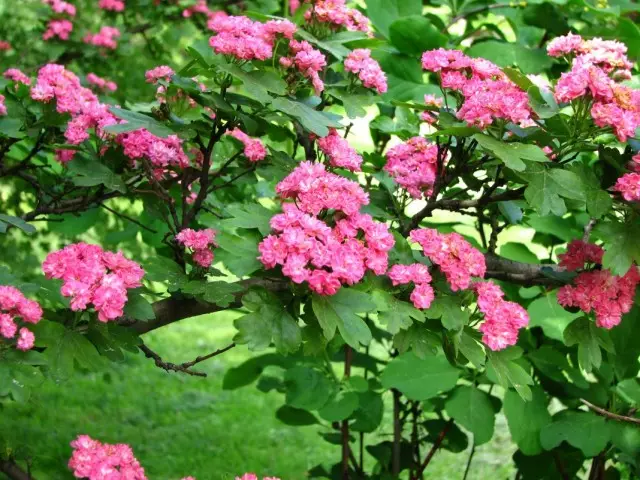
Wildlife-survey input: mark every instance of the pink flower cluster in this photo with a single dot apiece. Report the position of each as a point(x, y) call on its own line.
point(161, 72)
point(488, 93)
point(336, 14)
point(101, 83)
point(14, 305)
point(253, 476)
point(199, 7)
point(339, 152)
point(245, 39)
point(502, 319)
point(94, 460)
point(17, 76)
point(4, 46)
point(106, 37)
point(455, 257)
point(608, 296)
point(413, 165)
point(61, 7)
point(314, 189)
point(93, 275)
point(60, 28)
point(596, 70)
point(254, 149)
point(359, 62)
point(161, 152)
point(111, 5)
point(429, 116)
point(422, 295)
point(3, 107)
point(629, 186)
point(308, 61)
point(310, 250)
point(201, 242)
point(580, 253)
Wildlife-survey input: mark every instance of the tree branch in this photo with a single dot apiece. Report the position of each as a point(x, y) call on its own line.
point(611, 415)
point(527, 274)
point(434, 448)
point(13, 471)
point(182, 367)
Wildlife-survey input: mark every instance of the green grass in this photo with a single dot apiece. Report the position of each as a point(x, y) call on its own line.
point(180, 425)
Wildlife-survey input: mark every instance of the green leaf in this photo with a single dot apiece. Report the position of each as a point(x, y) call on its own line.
point(543, 193)
point(221, 293)
point(511, 154)
point(239, 253)
point(629, 390)
point(545, 312)
point(449, 309)
point(136, 121)
point(405, 78)
point(251, 215)
point(421, 341)
point(383, 13)
point(584, 430)
point(589, 338)
point(339, 407)
point(508, 373)
point(472, 408)
point(395, 313)
point(268, 322)
point(620, 244)
point(527, 418)
point(369, 414)
point(138, 307)
point(341, 311)
point(163, 269)
point(295, 417)
point(506, 54)
point(471, 348)
point(16, 222)
point(419, 379)
point(249, 371)
point(626, 346)
point(415, 34)
point(598, 201)
point(307, 388)
point(11, 127)
point(89, 173)
point(313, 120)
point(257, 83)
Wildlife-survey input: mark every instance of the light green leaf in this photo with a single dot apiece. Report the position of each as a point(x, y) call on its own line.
point(136, 121)
point(220, 293)
point(313, 120)
point(239, 253)
point(545, 312)
point(16, 222)
point(421, 341)
point(88, 173)
point(339, 407)
point(249, 215)
point(395, 313)
point(511, 154)
point(503, 368)
point(384, 12)
point(621, 244)
point(419, 379)
point(449, 310)
point(589, 338)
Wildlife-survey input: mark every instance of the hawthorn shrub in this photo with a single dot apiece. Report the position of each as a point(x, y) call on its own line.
point(480, 257)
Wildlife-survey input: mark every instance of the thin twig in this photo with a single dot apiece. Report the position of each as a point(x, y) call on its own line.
point(434, 448)
point(612, 416)
point(13, 471)
point(182, 367)
point(128, 218)
point(469, 460)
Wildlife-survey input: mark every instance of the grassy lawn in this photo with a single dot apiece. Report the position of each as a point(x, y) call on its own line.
point(181, 425)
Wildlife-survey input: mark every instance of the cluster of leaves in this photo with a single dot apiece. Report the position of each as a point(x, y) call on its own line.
point(429, 367)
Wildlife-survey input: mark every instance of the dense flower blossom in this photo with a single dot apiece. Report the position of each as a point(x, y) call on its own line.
point(455, 257)
point(564, 45)
point(314, 189)
point(162, 72)
point(310, 250)
point(306, 60)
point(17, 76)
point(13, 306)
point(65, 156)
point(413, 165)
point(253, 476)
point(101, 83)
point(629, 186)
point(58, 28)
point(254, 149)
point(488, 93)
point(336, 14)
point(502, 319)
point(61, 7)
point(430, 117)
point(161, 152)
point(339, 152)
point(200, 242)
point(422, 295)
point(94, 460)
point(359, 62)
point(3, 107)
point(245, 39)
point(579, 253)
point(4, 46)
point(106, 37)
point(608, 296)
point(199, 7)
point(112, 5)
point(92, 275)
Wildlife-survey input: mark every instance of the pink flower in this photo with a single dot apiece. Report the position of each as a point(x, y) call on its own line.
point(101, 461)
point(455, 257)
point(58, 28)
point(14, 307)
point(502, 319)
point(339, 152)
point(254, 149)
point(101, 83)
point(161, 152)
point(17, 76)
point(422, 295)
point(3, 107)
point(112, 5)
point(629, 186)
point(93, 276)
point(579, 253)
point(201, 242)
point(4, 46)
point(359, 62)
point(308, 61)
point(564, 45)
point(336, 14)
point(106, 37)
point(429, 116)
point(61, 7)
point(162, 72)
point(413, 165)
point(26, 339)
